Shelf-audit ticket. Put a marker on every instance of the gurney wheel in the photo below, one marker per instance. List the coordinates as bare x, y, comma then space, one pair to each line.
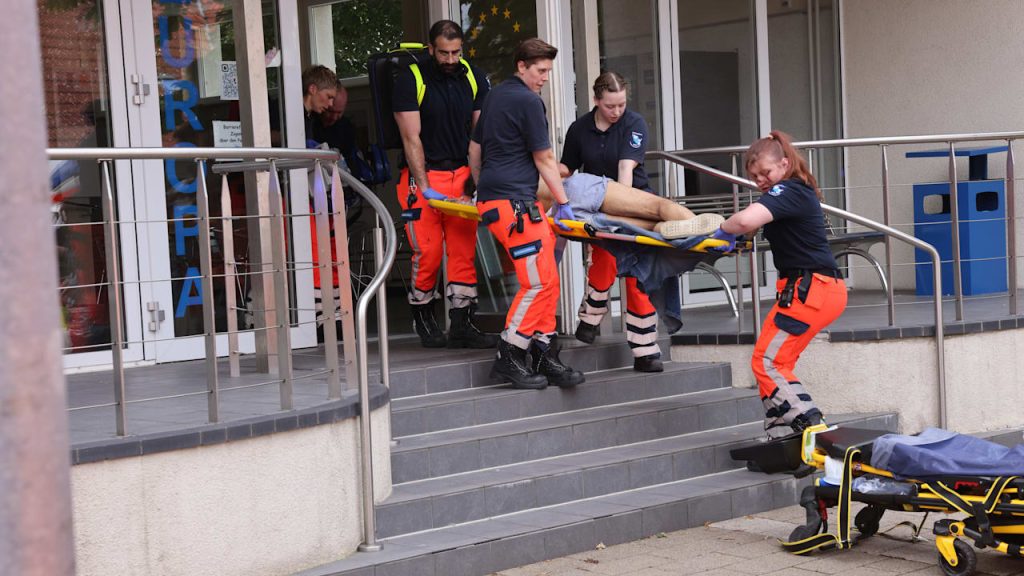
867, 520
967, 560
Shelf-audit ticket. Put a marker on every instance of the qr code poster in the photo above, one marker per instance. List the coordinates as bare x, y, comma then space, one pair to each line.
228, 80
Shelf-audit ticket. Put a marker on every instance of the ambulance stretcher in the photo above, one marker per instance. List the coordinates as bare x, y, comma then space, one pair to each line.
993, 506
583, 231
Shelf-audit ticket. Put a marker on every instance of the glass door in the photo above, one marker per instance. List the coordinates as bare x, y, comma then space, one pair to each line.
86, 108
184, 53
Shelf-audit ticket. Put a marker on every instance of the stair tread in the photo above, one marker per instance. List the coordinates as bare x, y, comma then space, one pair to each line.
480, 531
464, 394
559, 419
407, 354
533, 469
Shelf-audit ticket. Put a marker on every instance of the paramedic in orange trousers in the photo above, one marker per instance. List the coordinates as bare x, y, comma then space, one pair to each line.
811, 291
610, 141
435, 125
509, 150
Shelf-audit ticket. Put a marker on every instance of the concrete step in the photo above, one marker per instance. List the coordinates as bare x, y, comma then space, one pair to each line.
474, 406
442, 501
501, 443
501, 542
426, 371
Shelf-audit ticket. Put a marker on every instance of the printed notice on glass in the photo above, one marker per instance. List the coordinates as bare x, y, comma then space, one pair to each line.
228, 80
227, 134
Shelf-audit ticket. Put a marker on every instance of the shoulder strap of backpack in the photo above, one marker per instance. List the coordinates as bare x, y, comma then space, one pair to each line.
421, 87
470, 76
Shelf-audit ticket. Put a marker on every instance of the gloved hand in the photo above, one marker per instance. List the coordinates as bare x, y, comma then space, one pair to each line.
723, 235
431, 194
310, 143
563, 212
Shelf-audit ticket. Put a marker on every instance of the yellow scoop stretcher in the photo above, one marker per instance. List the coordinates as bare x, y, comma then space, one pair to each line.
578, 230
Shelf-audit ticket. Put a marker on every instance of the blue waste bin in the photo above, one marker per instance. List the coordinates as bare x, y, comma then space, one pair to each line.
982, 213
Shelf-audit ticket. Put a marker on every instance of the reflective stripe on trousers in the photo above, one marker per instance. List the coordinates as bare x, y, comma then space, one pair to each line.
532, 252
432, 234
641, 319
784, 336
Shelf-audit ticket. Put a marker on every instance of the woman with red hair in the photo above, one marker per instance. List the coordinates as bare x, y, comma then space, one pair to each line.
810, 291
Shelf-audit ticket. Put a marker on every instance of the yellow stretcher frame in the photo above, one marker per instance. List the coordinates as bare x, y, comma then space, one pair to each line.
577, 230
1001, 505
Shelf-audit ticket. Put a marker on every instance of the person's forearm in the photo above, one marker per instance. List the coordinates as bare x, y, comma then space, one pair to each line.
626, 172
474, 160
416, 161
747, 220
548, 169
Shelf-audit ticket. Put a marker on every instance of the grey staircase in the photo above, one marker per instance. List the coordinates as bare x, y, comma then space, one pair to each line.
487, 478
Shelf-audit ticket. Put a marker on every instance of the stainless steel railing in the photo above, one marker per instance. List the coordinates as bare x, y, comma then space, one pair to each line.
831, 210
951, 141
277, 321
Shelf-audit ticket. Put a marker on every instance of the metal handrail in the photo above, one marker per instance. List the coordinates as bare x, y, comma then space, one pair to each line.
370, 543
875, 141
868, 223
950, 139
270, 160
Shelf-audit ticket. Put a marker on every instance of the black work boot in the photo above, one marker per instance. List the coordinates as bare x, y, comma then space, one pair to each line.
807, 419
464, 334
649, 363
423, 320
587, 332
546, 362
511, 366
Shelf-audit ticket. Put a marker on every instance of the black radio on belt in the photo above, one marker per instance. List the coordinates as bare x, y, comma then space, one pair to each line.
535, 215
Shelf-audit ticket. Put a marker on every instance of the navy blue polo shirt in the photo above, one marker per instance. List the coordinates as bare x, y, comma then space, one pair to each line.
598, 152
512, 126
797, 230
446, 115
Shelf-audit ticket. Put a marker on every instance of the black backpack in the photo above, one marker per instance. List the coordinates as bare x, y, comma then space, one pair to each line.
383, 68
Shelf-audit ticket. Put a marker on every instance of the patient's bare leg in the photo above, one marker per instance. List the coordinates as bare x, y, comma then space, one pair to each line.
624, 201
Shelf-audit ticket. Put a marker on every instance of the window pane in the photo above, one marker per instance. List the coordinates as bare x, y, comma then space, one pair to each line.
78, 115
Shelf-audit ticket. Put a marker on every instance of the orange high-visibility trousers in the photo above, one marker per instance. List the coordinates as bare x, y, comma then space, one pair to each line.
532, 251
784, 336
432, 234
641, 319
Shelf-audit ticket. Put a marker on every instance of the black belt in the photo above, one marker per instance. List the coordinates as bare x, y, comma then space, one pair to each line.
446, 165
801, 272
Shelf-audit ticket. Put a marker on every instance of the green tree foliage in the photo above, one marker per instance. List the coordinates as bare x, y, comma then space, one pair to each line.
363, 28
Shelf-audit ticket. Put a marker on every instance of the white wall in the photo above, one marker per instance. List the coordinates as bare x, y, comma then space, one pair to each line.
983, 372
927, 67
272, 504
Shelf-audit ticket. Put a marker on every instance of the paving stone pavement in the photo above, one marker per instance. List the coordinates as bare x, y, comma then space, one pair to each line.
748, 546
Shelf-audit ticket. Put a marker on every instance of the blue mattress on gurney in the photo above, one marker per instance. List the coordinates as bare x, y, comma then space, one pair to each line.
936, 453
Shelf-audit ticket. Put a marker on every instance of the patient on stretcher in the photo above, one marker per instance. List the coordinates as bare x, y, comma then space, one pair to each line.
590, 195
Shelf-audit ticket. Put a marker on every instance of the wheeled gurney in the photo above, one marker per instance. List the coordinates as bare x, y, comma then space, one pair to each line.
992, 505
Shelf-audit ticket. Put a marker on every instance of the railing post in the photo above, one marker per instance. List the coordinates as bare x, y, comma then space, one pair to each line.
325, 269
1011, 228
954, 209
755, 281
230, 297
343, 265
283, 314
113, 267
886, 218
206, 289
382, 307
736, 261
